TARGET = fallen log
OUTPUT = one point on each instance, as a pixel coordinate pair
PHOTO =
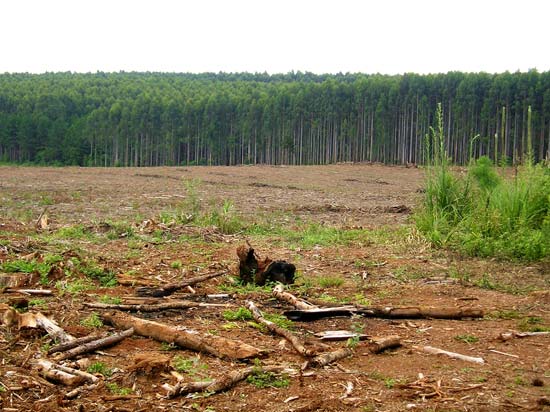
(169, 289)
(437, 351)
(279, 293)
(214, 345)
(95, 344)
(74, 343)
(49, 371)
(326, 358)
(288, 335)
(184, 304)
(385, 312)
(380, 344)
(217, 385)
(337, 335)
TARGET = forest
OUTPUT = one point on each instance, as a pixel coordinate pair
(156, 119)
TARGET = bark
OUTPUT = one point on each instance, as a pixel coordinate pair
(214, 345)
(220, 384)
(95, 344)
(385, 312)
(437, 351)
(329, 357)
(153, 307)
(279, 293)
(169, 289)
(294, 340)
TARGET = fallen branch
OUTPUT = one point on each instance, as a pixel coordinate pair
(214, 345)
(44, 292)
(74, 343)
(33, 320)
(514, 334)
(279, 293)
(95, 344)
(185, 304)
(385, 312)
(294, 340)
(169, 289)
(437, 351)
(337, 335)
(77, 391)
(217, 385)
(329, 357)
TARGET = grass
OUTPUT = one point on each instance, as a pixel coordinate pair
(192, 366)
(239, 314)
(117, 390)
(100, 368)
(483, 213)
(92, 321)
(330, 281)
(265, 379)
(467, 338)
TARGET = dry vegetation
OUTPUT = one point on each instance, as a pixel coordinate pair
(106, 232)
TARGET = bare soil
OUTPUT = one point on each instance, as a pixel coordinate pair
(390, 266)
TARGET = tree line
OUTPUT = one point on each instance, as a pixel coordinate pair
(154, 119)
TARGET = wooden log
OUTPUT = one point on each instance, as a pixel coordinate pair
(38, 320)
(279, 293)
(184, 304)
(326, 358)
(48, 370)
(169, 289)
(217, 385)
(437, 351)
(214, 345)
(514, 334)
(84, 375)
(288, 335)
(337, 335)
(95, 344)
(74, 343)
(385, 312)
(380, 344)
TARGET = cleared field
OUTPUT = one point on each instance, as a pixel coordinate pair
(347, 230)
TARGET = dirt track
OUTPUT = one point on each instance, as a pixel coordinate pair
(386, 264)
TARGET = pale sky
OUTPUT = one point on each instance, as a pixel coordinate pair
(323, 36)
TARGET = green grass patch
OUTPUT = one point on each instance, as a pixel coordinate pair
(192, 366)
(467, 338)
(92, 321)
(266, 379)
(117, 390)
(482, 213)
(100, 368)
(330, 281)
(239, 314)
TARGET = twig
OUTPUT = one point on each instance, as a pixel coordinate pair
(279, 293)
(437, 351)
(95, 344)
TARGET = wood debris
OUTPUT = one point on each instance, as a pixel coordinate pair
(437, 351)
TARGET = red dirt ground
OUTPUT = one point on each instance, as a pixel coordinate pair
(389, 265)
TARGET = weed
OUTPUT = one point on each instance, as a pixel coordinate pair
(106, 278)
(73, 232)
(330, 282)
(280, 320)
(165, 346)
(191, 366)
(239, 314)
(518, 380)
(467, 338)
(37, 303)
(111, 300)
(265, 379)
(176, 264)
(117, 390)
(101, 368)
(73, 287)
(390, 382)
(119, 230)
(505, 314)
(92, 321)
(533, 324)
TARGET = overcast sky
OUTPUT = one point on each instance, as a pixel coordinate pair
(370, 36)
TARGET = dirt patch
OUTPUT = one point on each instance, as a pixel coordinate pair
(390, 266)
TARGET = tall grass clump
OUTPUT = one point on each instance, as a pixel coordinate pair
(483, 213)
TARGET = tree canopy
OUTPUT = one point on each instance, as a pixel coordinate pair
(153, 119)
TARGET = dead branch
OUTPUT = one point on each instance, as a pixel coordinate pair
(380, 344)
(184, 304)
(74, 343)
(294, 340)
(217, 385)
(337, 335)
(385, 312)
(33, 320)
(326, 358)
(279, 293)
(437, 351)
(77, 391)
(214, 345)
(169, 289)
(95, 344)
